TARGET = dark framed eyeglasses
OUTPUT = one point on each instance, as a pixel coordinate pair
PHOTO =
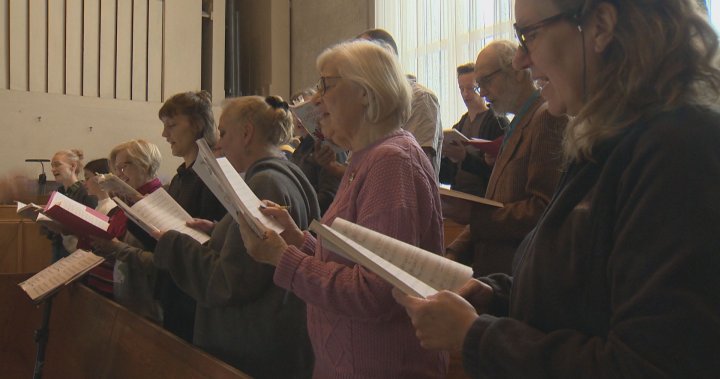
(322, 85)
(483, 81)
(277, 102)
(525, 34)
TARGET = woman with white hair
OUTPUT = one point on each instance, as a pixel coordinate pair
(356, 328)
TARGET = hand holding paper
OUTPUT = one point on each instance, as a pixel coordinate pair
(264, 250)
(441, 320)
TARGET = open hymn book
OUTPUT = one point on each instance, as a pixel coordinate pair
(411, 269)
(60, 273)
(28, 211)
(111, 183)
(232, 191)
(73, 217)
(159, 211)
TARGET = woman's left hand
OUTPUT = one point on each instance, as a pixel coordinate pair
(441, 321)
(268, 249)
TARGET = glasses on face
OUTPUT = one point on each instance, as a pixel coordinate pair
(484, 81)
(322, 85)
(526, 34)
(121, 167)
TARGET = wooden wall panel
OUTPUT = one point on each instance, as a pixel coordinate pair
(38, 45)
(155, 50)
(183, 32)
(36, 251)
(107, 48)
(123, 54)
(73, 46)
(139, 50)
(218, 52)
(19, 45)
(56, 46)
(4, 47)
(9, 246)
(91, 48)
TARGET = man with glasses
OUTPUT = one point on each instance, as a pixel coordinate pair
(477, 122)
(526, 172)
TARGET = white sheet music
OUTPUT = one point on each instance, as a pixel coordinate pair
(60, 273)
(434, 270)
(355, 252)
(160, 211)
(82, 211)
(232, 191)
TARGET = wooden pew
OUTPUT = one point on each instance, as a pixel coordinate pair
(452, 229)
(22, 247)
(92, 337)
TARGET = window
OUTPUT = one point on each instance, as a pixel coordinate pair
(434, 37)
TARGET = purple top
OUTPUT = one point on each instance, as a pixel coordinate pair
(356, 327)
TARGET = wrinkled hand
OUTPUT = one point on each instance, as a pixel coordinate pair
(268, 249)
(477, 293)
(324, 154)
(292, 234)
(457, 210)
(205, 226)
(441, 321)
(455, 151)
(105, 248)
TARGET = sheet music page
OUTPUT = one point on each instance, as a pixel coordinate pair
(373, 262)
(248, 202)
(82, 211)
(60, 273)
(436, 271)
(111, 183)
(162, 212)
(232, 191)
(206, 167)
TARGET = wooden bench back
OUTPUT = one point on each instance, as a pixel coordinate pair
(92, 337)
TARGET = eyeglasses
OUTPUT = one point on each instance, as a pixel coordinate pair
(122, 166)
(524, 33)
(483, 82)
(322, 85)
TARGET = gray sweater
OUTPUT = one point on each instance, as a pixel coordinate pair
(241, 316)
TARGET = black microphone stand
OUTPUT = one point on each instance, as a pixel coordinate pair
(41, 338)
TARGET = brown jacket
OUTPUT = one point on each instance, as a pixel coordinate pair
(523, 179)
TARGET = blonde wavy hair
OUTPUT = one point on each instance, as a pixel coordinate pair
(141, 153)
(664, 54)
(270, 116)
(378, 72)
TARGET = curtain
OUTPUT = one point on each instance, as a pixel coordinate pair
(434, 37)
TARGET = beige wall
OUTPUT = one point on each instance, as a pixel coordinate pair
(36, 125)
(282, 38)
(318, 24)
(147, 51)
